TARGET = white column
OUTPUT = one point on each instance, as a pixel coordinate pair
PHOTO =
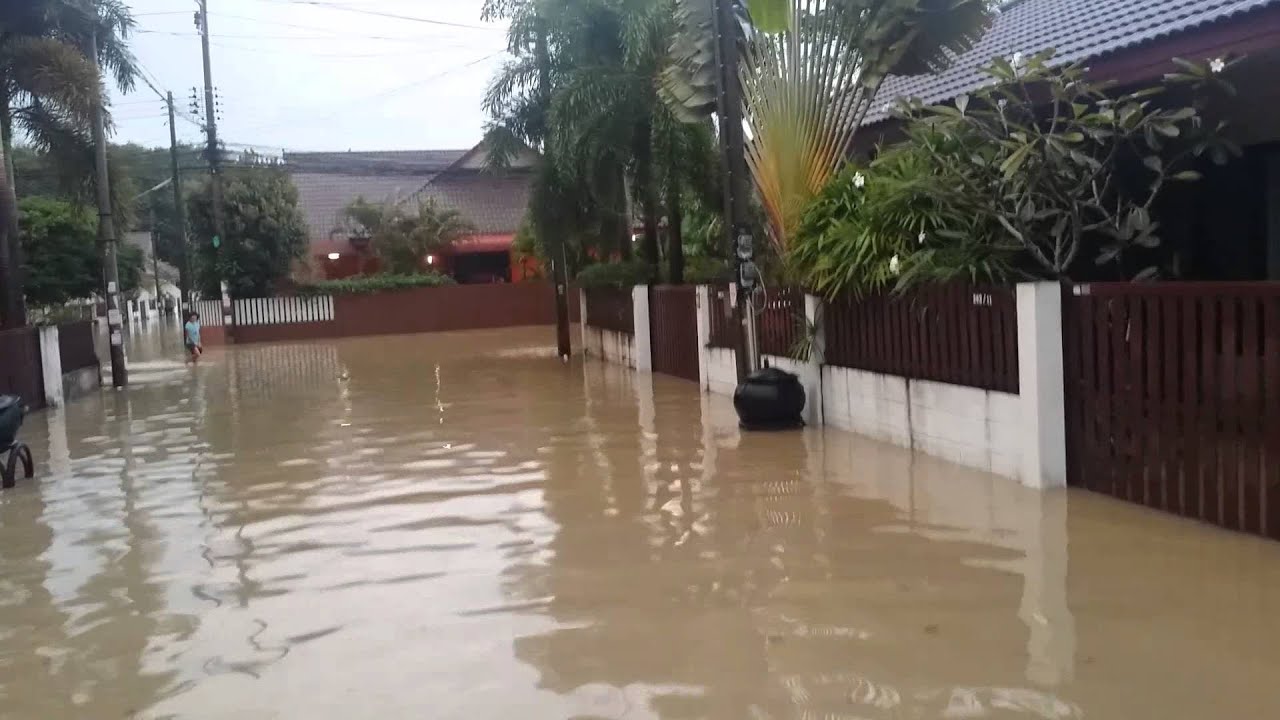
(1041, 394)
(642, 359)
(813, 376)
(582, 321)
(704, 334)
(51, 363)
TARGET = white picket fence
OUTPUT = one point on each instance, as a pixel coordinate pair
(284, 310)
(210, 312)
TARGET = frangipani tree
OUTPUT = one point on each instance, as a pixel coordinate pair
(811, 71)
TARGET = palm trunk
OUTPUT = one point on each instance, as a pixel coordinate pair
(617, 219)
(13, 311)
(675, 231)
(643, 149)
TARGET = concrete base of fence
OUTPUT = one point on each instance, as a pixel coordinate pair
(51, 365)
(968, 426)
(609, 346)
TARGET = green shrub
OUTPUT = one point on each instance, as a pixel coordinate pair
(614, 275)
(369, 284)
(707, 271)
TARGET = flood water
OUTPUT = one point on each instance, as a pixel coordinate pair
(458, 526)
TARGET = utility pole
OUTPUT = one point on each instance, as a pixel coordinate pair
(559, 271)
(107, 235)
(155, 257)
(737, 192)
(179, 213)
(215, 165)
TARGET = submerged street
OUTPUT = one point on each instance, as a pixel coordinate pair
(459, 526)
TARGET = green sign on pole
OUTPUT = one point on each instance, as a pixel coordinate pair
(217, 242)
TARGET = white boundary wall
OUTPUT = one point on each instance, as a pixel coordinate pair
(607, 345)
(1017, 436)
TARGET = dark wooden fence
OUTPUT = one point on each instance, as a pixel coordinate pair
(781, 322)
(1173, 398)
(21, 371)
(724, 326)
(673, 319)
(610, 309)
(955, 333)
(75, 346)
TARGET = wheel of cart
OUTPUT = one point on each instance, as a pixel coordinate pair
(11, 451)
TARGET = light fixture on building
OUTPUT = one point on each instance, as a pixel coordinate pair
(334, 256)
(431, 259)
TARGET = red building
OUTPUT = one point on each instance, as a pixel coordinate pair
(493, 203)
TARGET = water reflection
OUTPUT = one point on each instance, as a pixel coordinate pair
(460, 526)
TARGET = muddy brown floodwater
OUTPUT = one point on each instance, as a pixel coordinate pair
(458, 526)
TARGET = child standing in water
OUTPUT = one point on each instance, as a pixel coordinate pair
(191, 336)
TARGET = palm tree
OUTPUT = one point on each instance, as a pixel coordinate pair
(48, 90)
(812, 70)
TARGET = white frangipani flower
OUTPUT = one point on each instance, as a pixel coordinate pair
(1016, 60)
(923, 236)
(895, 265)
(859, 180)
(1217, 65)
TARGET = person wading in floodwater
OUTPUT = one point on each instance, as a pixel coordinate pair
(191, 337)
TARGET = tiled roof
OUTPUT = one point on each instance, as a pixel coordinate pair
(328, 182)
(1077, 29)
(492, 203)
(389, 162)
(322, 196)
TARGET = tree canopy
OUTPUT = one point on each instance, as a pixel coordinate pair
(265, 232)
(60, 251)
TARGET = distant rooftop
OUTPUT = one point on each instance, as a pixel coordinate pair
(386, 162)
(1080, 30)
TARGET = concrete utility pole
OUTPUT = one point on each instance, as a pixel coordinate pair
(180, 216)
(737, 192)
(155, 259)
(107, 236)
(215, 162)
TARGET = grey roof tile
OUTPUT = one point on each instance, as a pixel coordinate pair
(1077, 29)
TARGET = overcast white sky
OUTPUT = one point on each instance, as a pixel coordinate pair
(318, 74)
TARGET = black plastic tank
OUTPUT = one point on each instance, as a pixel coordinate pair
(11, 412)
(770, 399)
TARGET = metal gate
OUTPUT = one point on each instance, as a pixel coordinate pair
(21, 368)
(673, 320)
(1173, 398)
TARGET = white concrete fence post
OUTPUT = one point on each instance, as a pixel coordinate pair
(814, 414)
(643, 357)
(704, 333)
(1042, 394)
(51, 364)
(582, 322)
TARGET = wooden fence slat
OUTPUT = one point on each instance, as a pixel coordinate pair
(1209, 390)
(1270, 492)
(1171, 408)
(1250, 416)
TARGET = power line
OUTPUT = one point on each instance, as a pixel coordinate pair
(377, 13)
(385, 93)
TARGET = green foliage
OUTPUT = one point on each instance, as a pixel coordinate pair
(370, 284)
(614, 275)
(265, 233)
(401, 237)
(130, 263)
(61, 261)
(702, 270)
(999, 186)
(59, 247)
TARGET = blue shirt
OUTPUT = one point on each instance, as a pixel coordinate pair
(193, 332)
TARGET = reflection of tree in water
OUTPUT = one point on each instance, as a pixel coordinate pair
(88, 607)
(757, 588)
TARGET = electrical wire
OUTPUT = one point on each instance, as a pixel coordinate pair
(378, 13)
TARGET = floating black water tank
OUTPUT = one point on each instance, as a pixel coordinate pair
(11, 412)
(770, 399)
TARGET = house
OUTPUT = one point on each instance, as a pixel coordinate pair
(494, 203)
(1225, 227)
